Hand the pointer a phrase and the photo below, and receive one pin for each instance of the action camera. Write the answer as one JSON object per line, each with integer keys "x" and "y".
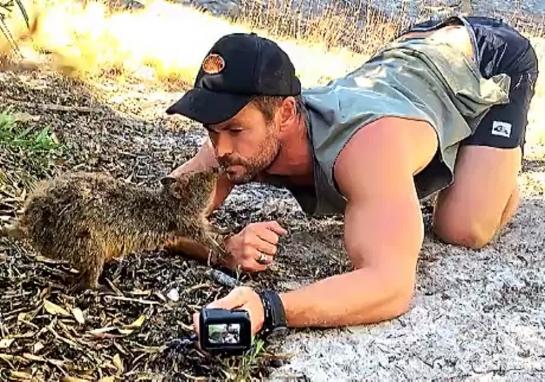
{"x": 225, "y": 331}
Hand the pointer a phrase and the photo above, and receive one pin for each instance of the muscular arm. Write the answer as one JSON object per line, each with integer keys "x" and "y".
{"x": 203, "y": 160}
{"x": 383, "y": 230}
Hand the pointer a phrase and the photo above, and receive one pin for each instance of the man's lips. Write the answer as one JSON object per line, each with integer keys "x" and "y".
{"x": 233, "y": 167}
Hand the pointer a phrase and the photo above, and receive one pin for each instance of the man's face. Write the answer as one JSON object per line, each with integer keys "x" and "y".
{"x": 245, "y": 144}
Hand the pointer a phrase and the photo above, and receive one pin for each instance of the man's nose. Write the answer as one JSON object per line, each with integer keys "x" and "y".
{"x": 223, "y": 146}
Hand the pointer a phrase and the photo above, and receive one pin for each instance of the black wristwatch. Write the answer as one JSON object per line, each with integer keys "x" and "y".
{"x": 275, "y": 324}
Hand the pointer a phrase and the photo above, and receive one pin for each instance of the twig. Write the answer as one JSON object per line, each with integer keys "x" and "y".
{"x": 192, "y": 377}
{"x": 138, "y": 300}
{"x": 14, "y": 313}
{"x": 9, "y": 357}
{"x": 195, "y": 287}
{"x": 222, "y": 278}
{"x": 60, "y": 338}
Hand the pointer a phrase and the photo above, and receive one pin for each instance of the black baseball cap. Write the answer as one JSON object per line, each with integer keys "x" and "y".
{"x": 238, "y": 67}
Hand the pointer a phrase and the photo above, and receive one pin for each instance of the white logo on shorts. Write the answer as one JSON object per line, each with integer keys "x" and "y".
{"x": 503, "y": 129}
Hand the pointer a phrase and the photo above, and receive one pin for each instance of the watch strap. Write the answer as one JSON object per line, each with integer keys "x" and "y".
{"x": 275, "y": 315}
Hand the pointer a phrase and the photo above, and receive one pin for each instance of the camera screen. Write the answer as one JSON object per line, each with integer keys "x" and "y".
{"x": 224, "y": 333}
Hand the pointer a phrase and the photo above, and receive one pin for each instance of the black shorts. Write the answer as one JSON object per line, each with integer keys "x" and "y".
{"x": 501, "y": 49}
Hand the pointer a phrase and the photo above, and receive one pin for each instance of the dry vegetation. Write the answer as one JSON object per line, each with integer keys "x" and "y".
{"x": 92, "y": 39}
{"x": 60, "y": 122}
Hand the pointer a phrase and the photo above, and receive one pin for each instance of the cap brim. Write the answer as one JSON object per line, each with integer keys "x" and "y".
{"x": 209, "y": 107}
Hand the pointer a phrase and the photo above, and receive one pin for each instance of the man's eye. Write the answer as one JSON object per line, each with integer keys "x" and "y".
{"x": 235, "y": 131}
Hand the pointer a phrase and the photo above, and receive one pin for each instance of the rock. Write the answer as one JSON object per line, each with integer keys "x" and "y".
{"x": 126, "y": 4}
{"x": 173, "y": 294}
{"x": 413, "y": 9}
{"x": 215, "y": 7}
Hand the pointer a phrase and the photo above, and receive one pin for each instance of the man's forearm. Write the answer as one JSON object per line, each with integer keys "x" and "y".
{"x": 201, "y": 161}
{"x": 358, "y": 297}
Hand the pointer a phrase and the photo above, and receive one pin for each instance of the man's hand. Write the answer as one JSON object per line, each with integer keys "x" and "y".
{"x": 254, "y": 248}
{"x": 239, "y": 298}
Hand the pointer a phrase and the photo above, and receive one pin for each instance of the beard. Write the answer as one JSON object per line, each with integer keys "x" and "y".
{"x": 247, "y": 168}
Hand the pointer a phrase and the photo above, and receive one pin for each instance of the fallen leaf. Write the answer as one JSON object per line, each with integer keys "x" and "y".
{"x": 6, "y": 342}
{"x": 118, "y": 363}
{"x": 54, "y": 138}
{"x": 35, "y": 358}
{"x": 107, "y": 379}
{"x": 54, "y": 308}
{"x": 56, "y": 362}
{"x": 37, "y": 347}
{"x": 47, "y": 260}
{"x": 102, "y": 330}
{"x": 137, "y": 323}
{"x": 21, "y": 375}
{"x": 78, "y": 315}
{"x": 73, "y": 379}
{"x": 120, "y": 348}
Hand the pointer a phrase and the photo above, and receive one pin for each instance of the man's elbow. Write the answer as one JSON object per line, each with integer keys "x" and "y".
{"x": 399, "y": 296}
{"x": 401, "y": 302}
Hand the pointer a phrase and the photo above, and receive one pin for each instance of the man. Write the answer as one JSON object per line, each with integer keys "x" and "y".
{"x": 441, "y": 111}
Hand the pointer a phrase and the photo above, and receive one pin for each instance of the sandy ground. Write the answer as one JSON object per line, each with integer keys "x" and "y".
{"x": 476, "y": 314}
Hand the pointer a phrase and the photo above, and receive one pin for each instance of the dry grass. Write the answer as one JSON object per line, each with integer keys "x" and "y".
{"x": 359, "y": 27}
{"x": 166, "y": 42}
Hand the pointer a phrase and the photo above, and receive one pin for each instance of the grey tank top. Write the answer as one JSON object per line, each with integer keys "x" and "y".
{"x": 417, "y": 78}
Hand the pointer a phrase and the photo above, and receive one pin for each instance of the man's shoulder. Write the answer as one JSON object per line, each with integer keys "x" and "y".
{"x": 386, "y": 141}
{"x": 391, "y": 133}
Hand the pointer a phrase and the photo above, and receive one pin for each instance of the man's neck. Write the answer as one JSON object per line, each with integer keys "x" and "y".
{"x": 294, "y": 158}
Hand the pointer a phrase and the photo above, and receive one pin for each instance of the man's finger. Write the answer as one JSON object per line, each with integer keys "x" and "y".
{"x": 268, "y": 235}
{"x": 253, "y": 266}
{"x": 263, "y": 258}
{"x": 275, "y": 227}
{"x": 233, "y": 300}
{"x": 266, "y": 248}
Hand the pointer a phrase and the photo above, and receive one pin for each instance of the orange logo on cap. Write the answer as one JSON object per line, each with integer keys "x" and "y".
{"x": 213, "y": 64}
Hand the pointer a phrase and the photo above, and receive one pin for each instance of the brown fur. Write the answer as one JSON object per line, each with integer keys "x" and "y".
{"x": 90, "y": 218}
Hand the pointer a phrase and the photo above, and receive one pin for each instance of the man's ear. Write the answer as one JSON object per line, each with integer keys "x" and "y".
{"x": 287, "y": 113}
{"x": 167, "y": 181}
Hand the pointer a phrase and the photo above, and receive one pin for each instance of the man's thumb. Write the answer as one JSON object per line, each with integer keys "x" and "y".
{"x": 234, "y": 299}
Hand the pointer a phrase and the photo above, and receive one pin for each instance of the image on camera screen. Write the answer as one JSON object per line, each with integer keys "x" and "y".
{"x": 224, "y": 333}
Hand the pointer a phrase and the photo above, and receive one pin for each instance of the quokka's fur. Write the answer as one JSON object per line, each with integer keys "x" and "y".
{"x": 89, "y": 219}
